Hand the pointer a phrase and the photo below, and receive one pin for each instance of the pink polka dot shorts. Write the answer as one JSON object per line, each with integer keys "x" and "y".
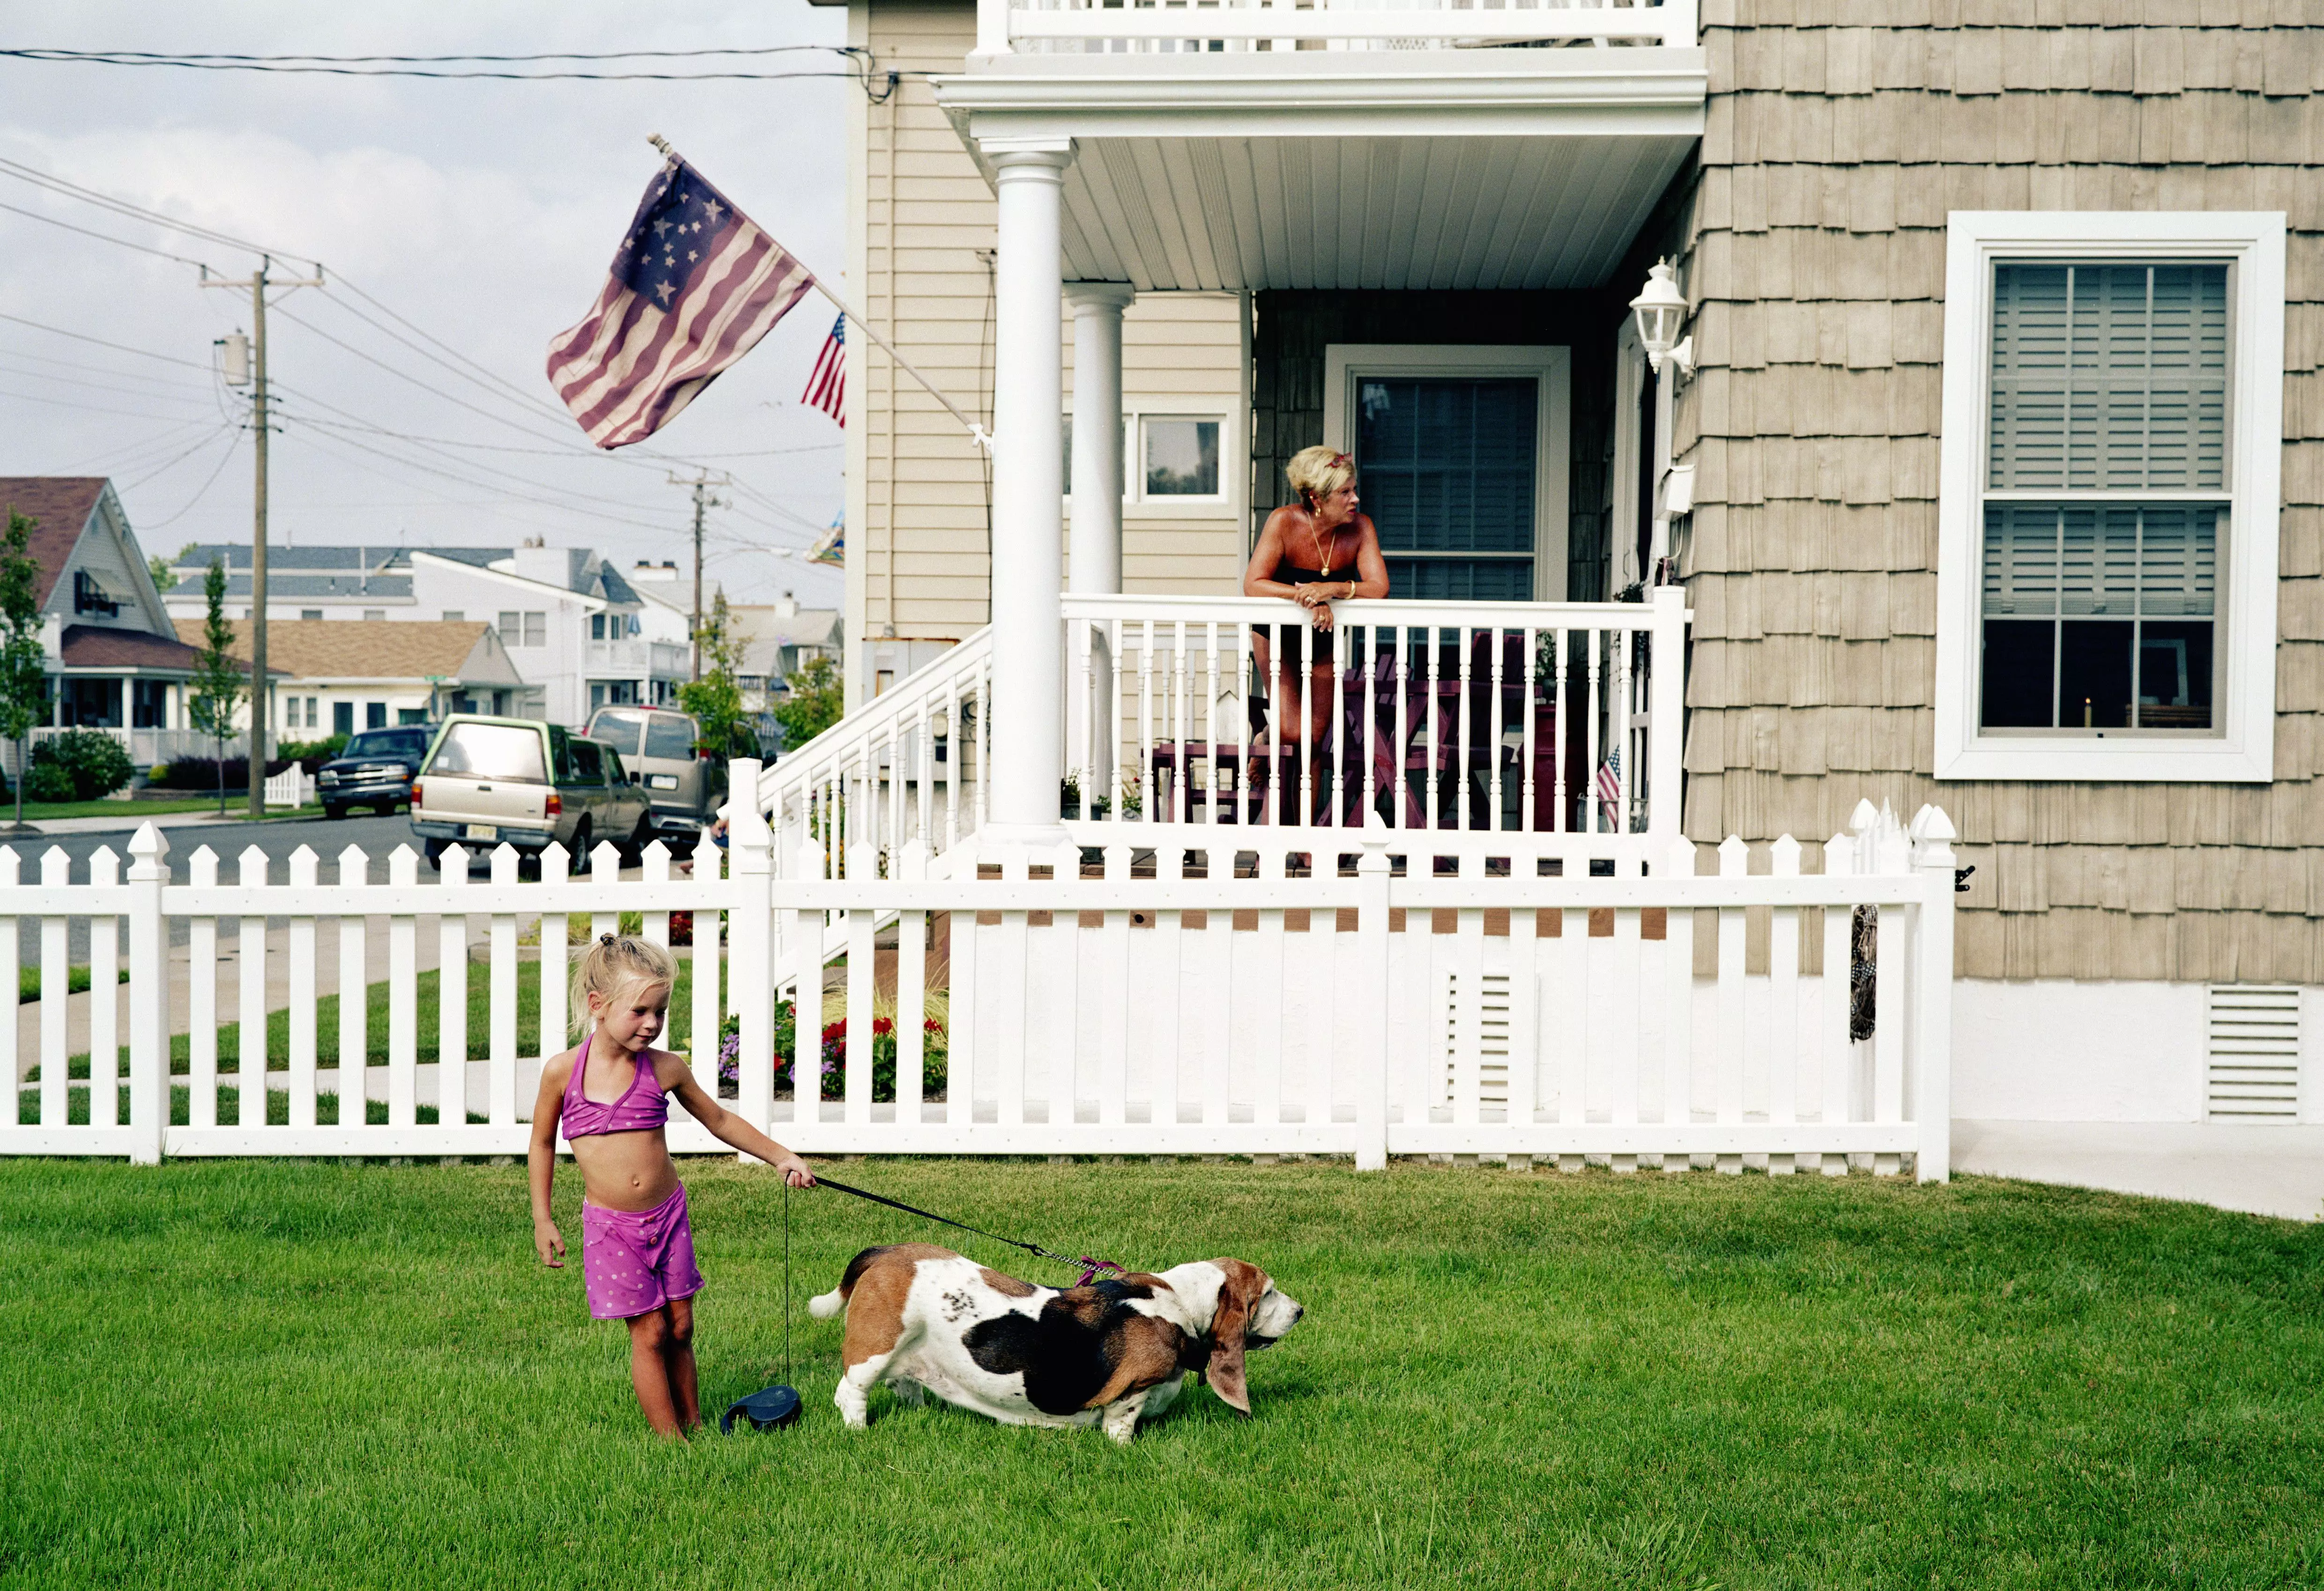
{"x": 634, "y": 1262}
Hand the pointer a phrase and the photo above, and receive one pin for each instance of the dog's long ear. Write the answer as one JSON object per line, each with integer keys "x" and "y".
{"x": 1238, "y": 1294}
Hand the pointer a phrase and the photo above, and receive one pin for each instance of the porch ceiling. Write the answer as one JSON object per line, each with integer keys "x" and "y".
{"x": 1460, "y": 170}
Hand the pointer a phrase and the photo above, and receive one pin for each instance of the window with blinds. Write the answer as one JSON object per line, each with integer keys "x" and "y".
{"x": 1446, "y": 469}
{"x": 2106, "y": 496}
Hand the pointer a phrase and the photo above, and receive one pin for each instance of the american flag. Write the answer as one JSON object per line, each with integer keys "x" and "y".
{"x": 827, "y": 389}
{"x": 1610, "y": 789}
{"x": 693, "y": 288}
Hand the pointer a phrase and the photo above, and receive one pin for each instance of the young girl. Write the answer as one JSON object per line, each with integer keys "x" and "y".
{"x": 613, "y": 1097}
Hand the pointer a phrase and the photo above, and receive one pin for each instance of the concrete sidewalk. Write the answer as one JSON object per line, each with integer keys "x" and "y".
{"x": 2275, "y": 1170}
{"x": 131, "y": 820}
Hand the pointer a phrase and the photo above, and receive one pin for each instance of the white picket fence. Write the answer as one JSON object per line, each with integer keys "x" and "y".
{"x": 1330, "y": 993}
{"x": 293, "y": 786}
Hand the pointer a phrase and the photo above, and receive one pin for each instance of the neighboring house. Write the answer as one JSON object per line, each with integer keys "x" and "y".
{"x": 337, "y": 677}
{"x": 113, "y": 661}
{"x": 778, "y": 638}
{"x": 1997, "y": 481}
{"x": 575, "y": 629}
{"x": 666, "y": 593}
{"x": 301, "y": 582}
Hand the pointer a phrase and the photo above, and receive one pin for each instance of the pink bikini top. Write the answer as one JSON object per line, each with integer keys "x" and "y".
{"x": 642, "y": 1105}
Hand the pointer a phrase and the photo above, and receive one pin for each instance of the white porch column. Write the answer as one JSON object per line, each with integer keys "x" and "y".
{"x": 1095, "y": 565}
{"x": 1029, "y": 491}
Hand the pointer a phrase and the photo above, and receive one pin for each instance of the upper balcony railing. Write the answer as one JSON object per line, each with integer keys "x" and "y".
{"x": 1164, "y": 27}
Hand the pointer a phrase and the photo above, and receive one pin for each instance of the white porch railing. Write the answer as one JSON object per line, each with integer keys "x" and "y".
{"x": 1529, "y": 718}
{"x": 1313, "y": 992}
{"x": 906, "y": 765}
{"x": 147, "y": 748}
{"x": 656, "y": 659}
{"x": 1175, "y": 26}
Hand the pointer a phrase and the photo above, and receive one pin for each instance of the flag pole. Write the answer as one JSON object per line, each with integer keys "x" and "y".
{"x": 983, "y": 437}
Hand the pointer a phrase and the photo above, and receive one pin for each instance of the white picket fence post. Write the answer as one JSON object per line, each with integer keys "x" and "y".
{"x": 1372, "y": 943}
{"x": 149, "y": 998}
{"x": 1932, "y": 993}
{"x": 749, "y": 854}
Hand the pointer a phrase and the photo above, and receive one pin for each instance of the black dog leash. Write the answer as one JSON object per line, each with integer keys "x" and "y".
{"x": 1092, "y": 1267}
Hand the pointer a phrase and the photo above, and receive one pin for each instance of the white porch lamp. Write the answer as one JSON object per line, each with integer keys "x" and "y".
{"x": 1661, "y": 310}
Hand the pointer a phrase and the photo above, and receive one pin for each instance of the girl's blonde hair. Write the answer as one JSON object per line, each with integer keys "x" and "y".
{"x": 611, "y": 966}
{"x": 1315, "y": 473}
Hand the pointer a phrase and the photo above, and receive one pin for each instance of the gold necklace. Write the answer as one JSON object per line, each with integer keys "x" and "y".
{"x": 1323, "y": 550}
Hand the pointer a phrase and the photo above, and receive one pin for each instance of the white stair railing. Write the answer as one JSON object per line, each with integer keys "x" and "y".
{"x": 906, "y": 765}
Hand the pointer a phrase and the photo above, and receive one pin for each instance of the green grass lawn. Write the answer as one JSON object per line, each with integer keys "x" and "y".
{"x": 283, "y": 1373}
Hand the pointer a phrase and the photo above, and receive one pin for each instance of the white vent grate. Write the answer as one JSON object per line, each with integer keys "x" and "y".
{"x": 2252, "y": 1071}
{"x": 1492, "y": 1039}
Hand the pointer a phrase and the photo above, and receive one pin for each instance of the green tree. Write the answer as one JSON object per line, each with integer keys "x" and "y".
{"x": 817, "y": 701}
{"x": 715, "y": 700}
{"x": 23, "y": 672}
{"x": 218, "y": 676}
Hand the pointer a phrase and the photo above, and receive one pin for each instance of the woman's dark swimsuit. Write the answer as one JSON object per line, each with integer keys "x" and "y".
{"x": 1291, "y": 639}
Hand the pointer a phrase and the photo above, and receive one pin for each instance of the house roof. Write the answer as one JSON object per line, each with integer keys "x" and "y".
{"x": 345, "y": 648}
{"x": 315, "y": 560}
{"x": 60, "y": 507}
{"x": 763, "y": 624}
{"x": 349, "y": 587}
{"x": 99, "y": 646}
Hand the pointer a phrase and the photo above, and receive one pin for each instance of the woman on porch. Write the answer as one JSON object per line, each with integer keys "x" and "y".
{"x": 1314, "y": 552}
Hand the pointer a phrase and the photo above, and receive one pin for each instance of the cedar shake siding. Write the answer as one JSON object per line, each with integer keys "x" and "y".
{"x": 1838, "y": 137}
{"x": 1294, "y": 328}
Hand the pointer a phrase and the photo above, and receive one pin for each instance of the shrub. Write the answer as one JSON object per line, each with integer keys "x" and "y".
{"x": 201, "y": 773}
{"x": 91, "y": 760}
{"x": 310, "y": 755}
{"x": 48, "y": 781}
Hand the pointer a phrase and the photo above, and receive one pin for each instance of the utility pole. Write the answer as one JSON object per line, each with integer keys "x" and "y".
{"x": 702, "y": 482}
{"x": 261, "y": 701}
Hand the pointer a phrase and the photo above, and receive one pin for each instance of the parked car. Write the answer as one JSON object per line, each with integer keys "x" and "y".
{"x": 488, "y": 780}
{"x": 685, "y": 787}
{"x": 374, "y": 770}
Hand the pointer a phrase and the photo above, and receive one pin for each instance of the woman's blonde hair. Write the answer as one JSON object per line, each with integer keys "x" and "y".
{"x": 1315, "y": 473}
{"x": 611, "y": 966}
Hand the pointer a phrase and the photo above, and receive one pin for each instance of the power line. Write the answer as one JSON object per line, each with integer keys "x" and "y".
{"x": 161, "y": 469}
{"x": 120, "y": 207}
{"x": 200, "y": 492}
{"x": 100, "y": 342}
{"x": 102, "y": 237}
{"x": 43, "y": 397}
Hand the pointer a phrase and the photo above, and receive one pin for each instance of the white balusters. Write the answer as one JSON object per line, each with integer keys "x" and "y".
{"x": 1734, "y": 862}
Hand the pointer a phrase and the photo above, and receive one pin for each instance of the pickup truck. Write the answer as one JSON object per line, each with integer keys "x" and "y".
{"x": 488, "y": 780}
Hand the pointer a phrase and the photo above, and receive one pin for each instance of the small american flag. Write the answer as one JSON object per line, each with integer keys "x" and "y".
{"x": 1610, "y": 789}
{"x": 693, "y": 288}
{"x": 827, "y": 389}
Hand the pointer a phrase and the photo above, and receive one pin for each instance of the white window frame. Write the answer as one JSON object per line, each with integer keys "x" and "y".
{"x": 1233, "y": 458}
{"x": 1345, "y": 364}
{"x": 2243, "y": 689}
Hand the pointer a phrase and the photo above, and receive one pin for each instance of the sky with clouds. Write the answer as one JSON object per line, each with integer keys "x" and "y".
{"x": 482, "y": 212}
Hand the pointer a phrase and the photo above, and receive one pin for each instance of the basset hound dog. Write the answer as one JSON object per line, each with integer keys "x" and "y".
{"x": 1110, "y": 1353}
